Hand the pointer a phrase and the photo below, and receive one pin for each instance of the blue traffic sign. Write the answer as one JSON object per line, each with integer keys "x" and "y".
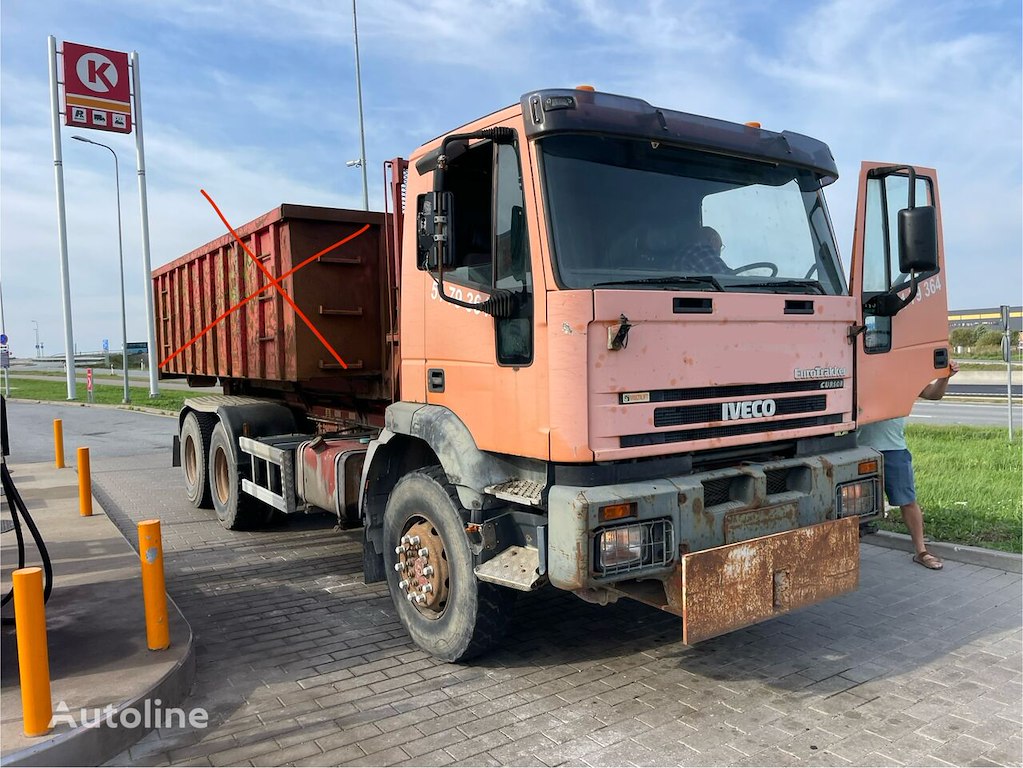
{"x": 106, "y": 345}
{"x": 3, "y": 338}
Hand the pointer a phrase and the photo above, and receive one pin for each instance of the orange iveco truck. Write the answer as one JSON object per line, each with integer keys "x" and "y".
{"x": 590, "y": 343}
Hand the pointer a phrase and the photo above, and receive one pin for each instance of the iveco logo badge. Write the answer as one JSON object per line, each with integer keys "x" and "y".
{"x": 747, "y": 409}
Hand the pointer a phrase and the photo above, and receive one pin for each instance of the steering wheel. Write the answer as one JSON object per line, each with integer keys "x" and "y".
{"x": 758, "y": 265}
{"x": 810, "y": 271}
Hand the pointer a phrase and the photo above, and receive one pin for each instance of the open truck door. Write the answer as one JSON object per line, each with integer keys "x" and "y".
{"x": 898, "y": 275}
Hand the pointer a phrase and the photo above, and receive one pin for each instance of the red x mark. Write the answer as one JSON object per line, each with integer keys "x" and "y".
{"x": 274, "y": 283}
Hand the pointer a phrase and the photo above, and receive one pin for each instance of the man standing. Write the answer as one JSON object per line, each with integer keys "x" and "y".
{"x": 889, "y": 437}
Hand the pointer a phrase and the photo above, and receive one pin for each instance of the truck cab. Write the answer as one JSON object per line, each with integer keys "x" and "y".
{"x": 617, "y": 406}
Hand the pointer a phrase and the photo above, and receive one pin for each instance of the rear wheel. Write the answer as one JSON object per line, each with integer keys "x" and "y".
{"x": 446, "y": 611}
{"x": 196, "y": 432}
{"x": 235, "y": 509}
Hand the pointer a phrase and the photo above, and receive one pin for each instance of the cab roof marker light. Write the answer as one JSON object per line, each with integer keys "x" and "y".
{"x": 558, "y": 102}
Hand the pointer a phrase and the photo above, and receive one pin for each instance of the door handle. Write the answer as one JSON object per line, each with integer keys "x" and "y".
{"x": 435, "y": 380}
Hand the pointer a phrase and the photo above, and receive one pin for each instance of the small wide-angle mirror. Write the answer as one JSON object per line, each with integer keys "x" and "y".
{"x": 434, "y": 226}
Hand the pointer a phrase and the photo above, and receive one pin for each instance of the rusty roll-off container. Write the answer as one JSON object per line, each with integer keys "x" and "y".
{"x": 264, "y": 345}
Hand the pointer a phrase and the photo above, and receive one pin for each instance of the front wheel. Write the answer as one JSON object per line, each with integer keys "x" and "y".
{"x": 446, "y": 611}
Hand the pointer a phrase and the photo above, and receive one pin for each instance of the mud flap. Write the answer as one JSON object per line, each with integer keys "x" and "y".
{"x": 734, "y": 586}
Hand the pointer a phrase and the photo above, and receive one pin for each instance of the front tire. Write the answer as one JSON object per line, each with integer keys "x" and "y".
{"x": 236, "y": 510}
{"x": 196, "y": 432}
{"x": 443, "y": 607}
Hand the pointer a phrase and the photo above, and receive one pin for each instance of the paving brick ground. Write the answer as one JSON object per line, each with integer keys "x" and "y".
{"x": 300, "y": 663}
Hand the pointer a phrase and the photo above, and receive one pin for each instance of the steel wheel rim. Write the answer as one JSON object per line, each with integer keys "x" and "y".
{"x": 190, "y": 460}
{"x": 422, "y": 567}
{"x": 221, "y": 476}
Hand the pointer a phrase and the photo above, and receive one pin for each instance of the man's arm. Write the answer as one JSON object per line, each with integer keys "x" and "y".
{"x": 936, "y": 389}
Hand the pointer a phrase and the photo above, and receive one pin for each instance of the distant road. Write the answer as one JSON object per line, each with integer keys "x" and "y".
{"x": 982, "y": 390}
{"x": 973, "y": 414}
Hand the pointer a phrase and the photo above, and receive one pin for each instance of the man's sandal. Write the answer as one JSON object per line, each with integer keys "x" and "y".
{"x": 927, "y": 560}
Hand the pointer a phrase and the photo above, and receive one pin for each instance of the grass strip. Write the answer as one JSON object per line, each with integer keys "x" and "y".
{"x": 169, "y": 400}
{"x": 969, "y": 482}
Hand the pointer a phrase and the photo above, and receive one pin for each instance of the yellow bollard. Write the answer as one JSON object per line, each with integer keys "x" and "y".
{"x": 33, "y": 658}
{"x": 58, "y": 442}
{"x": 154, "y": 591}
{"x": 84, "y": 484}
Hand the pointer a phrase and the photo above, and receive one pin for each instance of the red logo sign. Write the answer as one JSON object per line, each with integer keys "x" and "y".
{"x": 97, "y": 88}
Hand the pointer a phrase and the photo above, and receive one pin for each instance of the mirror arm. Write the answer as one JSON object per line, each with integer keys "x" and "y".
{"x": 888, "y": 170}
{"x": 501, "y": 300}
{"x": 889, "y": 304}
{"x": 912, "y": 283}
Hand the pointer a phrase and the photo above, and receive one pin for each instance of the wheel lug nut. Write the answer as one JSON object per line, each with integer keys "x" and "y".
{"x": 399, "y": 549}
{"x": 404, "y": 539}
{"x": 424, "y": 552}
{"x": 428, "y": 570}
{"x": 399, "y": 567}
{"x": 427, "y": 588}
{"x": 403, "y": 584}
{"x": 411, "y": 597}
{"x": 414, "y": 541}
{"x": 420, "y": 599}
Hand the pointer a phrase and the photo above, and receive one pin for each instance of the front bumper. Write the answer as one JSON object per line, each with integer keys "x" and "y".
{"x": 698, "y": 512}
{"x": 727, "y": 588}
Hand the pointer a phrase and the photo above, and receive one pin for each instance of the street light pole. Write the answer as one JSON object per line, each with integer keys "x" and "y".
{"x": 36, "y": 324}
{"x": 362, "y": 130}
{"x": 120, "y": 256}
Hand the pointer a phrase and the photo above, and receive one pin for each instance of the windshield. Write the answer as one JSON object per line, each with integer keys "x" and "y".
{"x": 653, "y": 216}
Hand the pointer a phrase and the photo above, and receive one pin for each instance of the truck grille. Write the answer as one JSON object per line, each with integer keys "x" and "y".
{"x": 727, "y": 430}
{"x": 700, "y": 414}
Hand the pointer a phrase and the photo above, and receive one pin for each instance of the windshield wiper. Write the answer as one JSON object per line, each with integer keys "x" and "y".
{"x": 673, "y": 280}
{"x": 787, "y": 284}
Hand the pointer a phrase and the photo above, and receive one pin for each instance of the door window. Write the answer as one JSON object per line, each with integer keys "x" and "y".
{"x": 885, "y": 198}
{"x": 511, "y": 267}
{"x": 490, "y": 247}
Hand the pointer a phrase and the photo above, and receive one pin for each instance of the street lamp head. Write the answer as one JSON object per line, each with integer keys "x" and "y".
{"x": 98, "y": 144}
{"x": 357, "y": 163}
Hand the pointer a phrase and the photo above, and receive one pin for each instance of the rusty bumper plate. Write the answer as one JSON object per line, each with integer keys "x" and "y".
{"x": 733, "y": 586}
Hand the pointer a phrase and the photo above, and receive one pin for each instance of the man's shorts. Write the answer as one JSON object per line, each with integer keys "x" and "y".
{"x": 898, "y": 477}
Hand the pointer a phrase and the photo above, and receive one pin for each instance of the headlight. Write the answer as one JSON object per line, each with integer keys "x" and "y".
{"x": 861, "y": 498}
{"x": 620, "y": 547}
{"x": 630, "y": 547}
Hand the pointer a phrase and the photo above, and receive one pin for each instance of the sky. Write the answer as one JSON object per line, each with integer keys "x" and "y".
{"x": 255, "y": 102}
